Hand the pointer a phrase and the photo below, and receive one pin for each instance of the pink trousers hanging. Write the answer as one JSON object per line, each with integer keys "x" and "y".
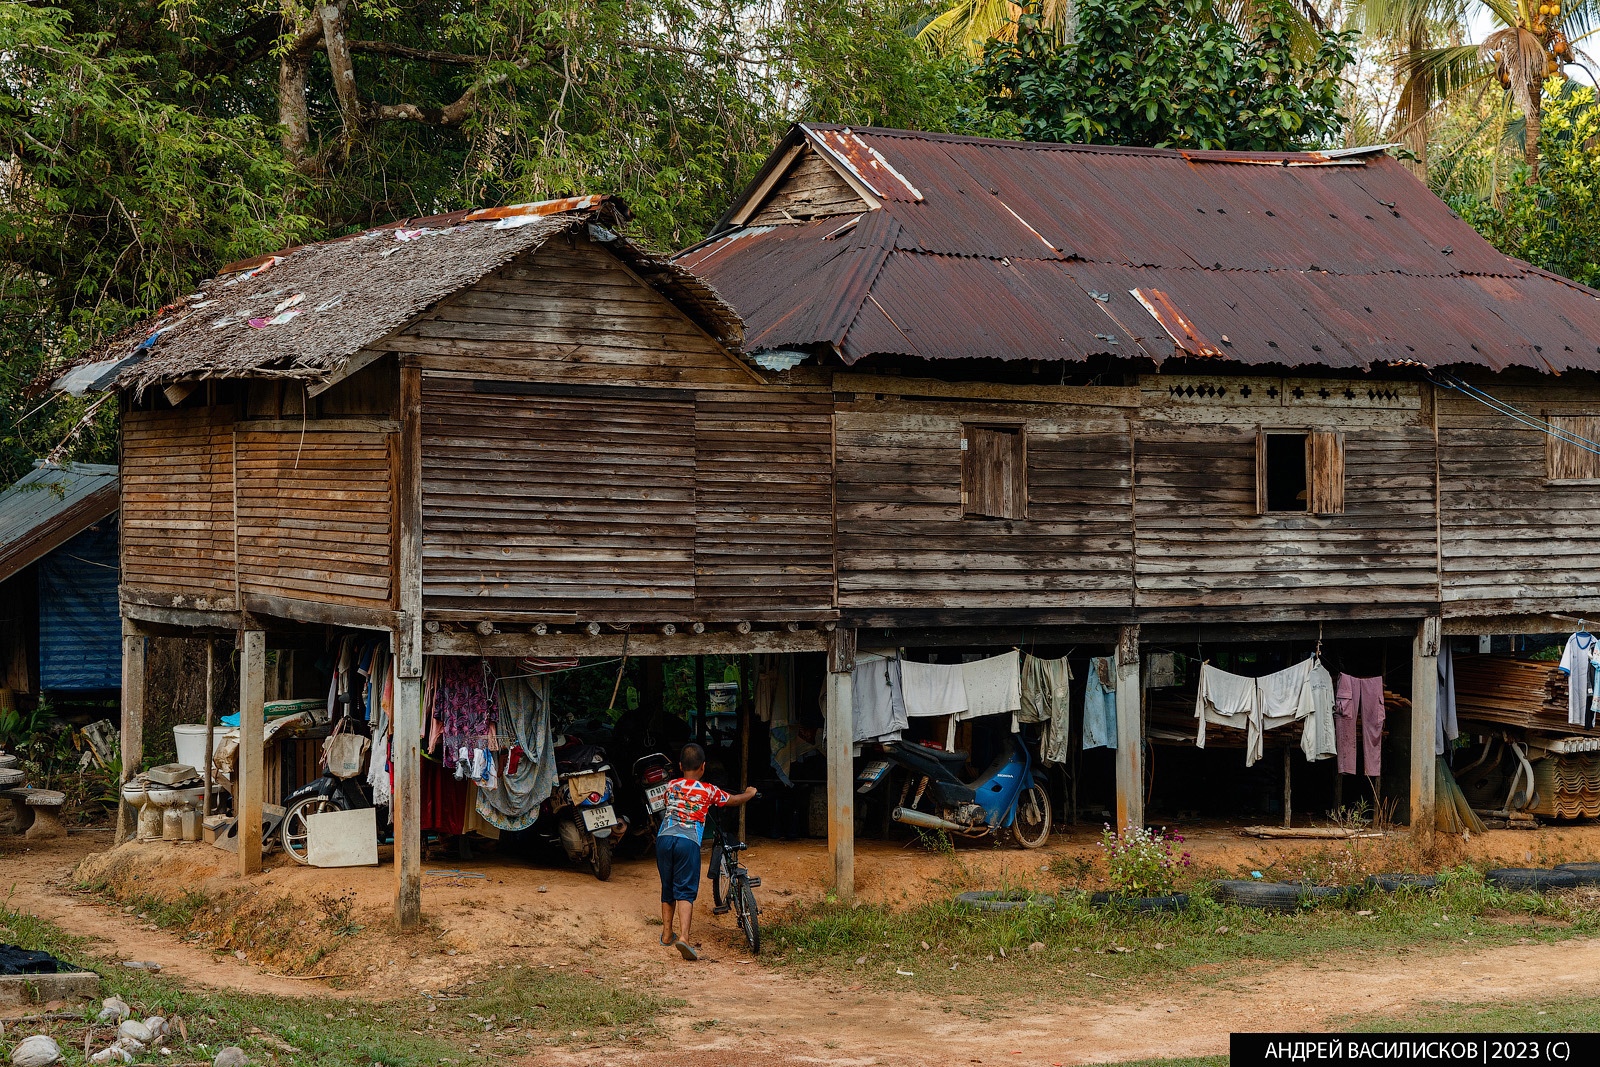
{"x": 1359, "y": 702}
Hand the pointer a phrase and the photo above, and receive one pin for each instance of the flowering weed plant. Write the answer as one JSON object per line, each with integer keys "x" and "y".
{"x": 1141, "y": 862}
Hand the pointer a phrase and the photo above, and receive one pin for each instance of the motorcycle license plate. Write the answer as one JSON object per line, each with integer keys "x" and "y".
{"x": 873, "y": 771}
{"x": 656, "y": 798}
{"x": 599, "y": 818}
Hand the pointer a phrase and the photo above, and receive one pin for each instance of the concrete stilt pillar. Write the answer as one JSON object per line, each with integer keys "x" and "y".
{"x": 132, "y": 722}
{"x": 840, "y": 716}
{"x": 251, "y": 772}
{"x": 1424, "y": 713}
{"x": 1130, "y": 732}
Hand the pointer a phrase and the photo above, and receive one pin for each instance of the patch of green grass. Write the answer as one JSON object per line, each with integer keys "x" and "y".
{"x": 1579, "y": 1015}
{"x": 1074, "y": 948}
{"x": 481, "y": 1020}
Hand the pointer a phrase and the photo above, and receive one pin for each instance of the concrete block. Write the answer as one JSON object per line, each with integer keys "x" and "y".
{"x": 21, "y": 990}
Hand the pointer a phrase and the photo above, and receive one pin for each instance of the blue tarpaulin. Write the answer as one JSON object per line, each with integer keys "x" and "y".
{"x": 79, "y": 629}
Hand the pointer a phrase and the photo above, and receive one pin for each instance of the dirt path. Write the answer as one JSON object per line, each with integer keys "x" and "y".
{"x": 489, "y": 912}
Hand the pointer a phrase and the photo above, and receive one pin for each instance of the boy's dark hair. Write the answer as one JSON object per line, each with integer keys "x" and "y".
{"x": 692, "y": 758}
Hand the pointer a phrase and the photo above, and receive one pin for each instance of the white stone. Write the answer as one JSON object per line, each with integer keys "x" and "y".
{"x": 134, "y": 1029}
{"x": 113, "y": 1010}
{"x": 232, "y": 1056}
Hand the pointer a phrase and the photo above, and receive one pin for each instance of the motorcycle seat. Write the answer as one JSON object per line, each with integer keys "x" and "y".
{"x": 952, "y": 762}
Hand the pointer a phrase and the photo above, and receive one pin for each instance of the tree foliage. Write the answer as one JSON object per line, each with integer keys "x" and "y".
{"x": 1555, "y": 222}
{"x": 1171, "y": 74}
{"x": 144, "y": 144}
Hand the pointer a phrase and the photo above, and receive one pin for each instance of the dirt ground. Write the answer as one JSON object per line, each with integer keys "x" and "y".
{"x": 492, "y": 912}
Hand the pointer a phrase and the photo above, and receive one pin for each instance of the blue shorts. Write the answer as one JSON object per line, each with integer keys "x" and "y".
{"x": 678, "y": 860}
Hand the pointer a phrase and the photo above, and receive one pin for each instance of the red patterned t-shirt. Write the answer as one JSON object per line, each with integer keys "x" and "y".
{"x": 687, "y": 805}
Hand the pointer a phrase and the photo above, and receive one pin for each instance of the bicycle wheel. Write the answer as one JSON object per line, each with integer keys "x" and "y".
{"x": 718, "y": 876}
{"x": 293, "y": 832}
{"x": 749, "y": 921}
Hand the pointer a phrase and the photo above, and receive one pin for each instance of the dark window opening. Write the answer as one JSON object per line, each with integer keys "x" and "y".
{"x": 1286, "y": 472}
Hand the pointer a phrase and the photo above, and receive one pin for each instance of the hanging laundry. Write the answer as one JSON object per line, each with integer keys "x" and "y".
{"x": 529, "y": 776}
{"x": 380, "y": 686}
{"x": 1225, "y": 699}
{"x": 993, "y": 685}
{"x": 464, "y": 715}
{"x": 1047, "y": 698}
{"x": 1280, "y": 697}
{"x": 878, "y": 708}
{"x": 777, "y": 706}
{"x": 1319, "y": 739}
{"x": 1578, "y": 664}
{"x": 1358, "y": 715}
{"x": 1100, "y": 704}
{"x": 444, "y": 800}
{"x": 933, "y": 688}
{"x": 1447, "y": 728}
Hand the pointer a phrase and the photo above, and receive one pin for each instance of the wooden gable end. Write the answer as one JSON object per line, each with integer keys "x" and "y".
{"x": 809, "y": 188}
{"x": 570, "y": 312}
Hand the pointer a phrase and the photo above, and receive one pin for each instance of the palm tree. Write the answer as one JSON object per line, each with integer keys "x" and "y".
{"x": 1534, "y": 39}
{"x": 969, "y": 25}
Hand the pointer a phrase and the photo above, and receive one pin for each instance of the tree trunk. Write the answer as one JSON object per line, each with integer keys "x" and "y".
{"x": 1530, "y": 144}
{"x": 293, "y": 114}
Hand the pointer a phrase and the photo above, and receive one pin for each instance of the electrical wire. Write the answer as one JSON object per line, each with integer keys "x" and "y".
{"x": 1467, "y": 389}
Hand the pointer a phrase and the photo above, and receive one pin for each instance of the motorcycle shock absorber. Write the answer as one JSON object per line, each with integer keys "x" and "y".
{"x": 922, "y": 787}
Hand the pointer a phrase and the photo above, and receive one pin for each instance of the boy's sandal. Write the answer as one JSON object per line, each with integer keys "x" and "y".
{"x": 669, "y": 940}
{"x": 686, "y": 950}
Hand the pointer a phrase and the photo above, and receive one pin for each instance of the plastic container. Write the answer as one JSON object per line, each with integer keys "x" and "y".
{"x": 190, "y": 740}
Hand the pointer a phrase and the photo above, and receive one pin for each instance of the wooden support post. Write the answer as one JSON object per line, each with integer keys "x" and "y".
{"x": 1424, "y": 713}
{"x": 211, "y": 724}
{"x": 251, "y": 773}
{"x": 747, "y": 696}
{"x": 1288, "y": 788}
{"x": 406, "y": 808}
{"x": 132, "y": 740}
{"x": 840, "y": 727}
{"x": 1130, "y": 732}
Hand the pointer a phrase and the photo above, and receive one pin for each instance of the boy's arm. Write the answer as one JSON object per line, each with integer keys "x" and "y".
{"x": 739, "y": 800}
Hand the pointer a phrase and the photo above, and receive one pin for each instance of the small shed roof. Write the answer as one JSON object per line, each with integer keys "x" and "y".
{"x": 48, "y": 507}
{"x": 303, "y": 312}
{"x": 1001, "y": 249}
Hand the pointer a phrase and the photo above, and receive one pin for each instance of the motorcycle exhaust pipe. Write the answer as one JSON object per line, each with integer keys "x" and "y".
{"x": 913, "y": 817}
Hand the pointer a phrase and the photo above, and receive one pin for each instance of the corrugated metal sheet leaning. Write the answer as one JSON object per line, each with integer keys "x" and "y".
{"x": 50, "y": 505}
{"x": 303, "y": 312}
{"x": 979, "y": 248}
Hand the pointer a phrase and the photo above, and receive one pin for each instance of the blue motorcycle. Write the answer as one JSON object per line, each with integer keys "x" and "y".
{"x": 1004, "y": 801}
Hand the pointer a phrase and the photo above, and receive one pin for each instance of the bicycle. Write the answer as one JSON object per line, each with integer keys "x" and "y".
{"x": 732, "y": 885}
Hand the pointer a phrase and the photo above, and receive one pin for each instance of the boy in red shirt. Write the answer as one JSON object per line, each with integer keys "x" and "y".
{"x": 683, "y": 824}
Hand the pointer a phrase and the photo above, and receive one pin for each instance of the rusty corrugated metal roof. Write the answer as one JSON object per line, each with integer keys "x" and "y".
{"x": 1001, "y": 249}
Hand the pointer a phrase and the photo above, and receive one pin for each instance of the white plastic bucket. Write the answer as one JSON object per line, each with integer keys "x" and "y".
{"x": 190, "y": 741}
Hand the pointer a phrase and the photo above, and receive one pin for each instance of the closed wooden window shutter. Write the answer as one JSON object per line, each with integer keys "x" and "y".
{"x": 1568, "y": 461}
{"x": 1325, "y": 476}
{"x": 1261, "y": 472}
{"x": 995, "y": 473}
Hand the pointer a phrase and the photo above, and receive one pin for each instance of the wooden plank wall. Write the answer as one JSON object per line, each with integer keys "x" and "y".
{"x": 316, "y": 515}
{"x": 763, "y": 503}
{"x": 1511, "y": 540}
{"x": 177, "y": 504}
{"x": 1202, "y": 549}
{"x": 905, "y": 546}
{"x": 540, "y": 501}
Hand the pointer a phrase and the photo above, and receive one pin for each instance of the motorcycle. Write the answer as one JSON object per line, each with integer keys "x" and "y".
{"x": 582, "y": 814}
{"x": 652, "y": 773}
{"x": 326, "y": 793}
{"x": 1004, "y": 801}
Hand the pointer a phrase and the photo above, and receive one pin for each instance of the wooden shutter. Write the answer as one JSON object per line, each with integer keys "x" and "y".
{"x": 995, "y": 473}
{"x": 1325, "y": 473}
{"x": 1261, "y": 472}
{"x": 1567, "y": 461}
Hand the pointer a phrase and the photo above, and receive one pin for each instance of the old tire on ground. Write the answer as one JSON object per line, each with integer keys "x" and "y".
{"x": 1272, "y": 896}
{"x": 1173, "y": 902}
{"x": 1003, "y": 900}
{"x": 1394, "y": 883}
{"x": 1588, "y": 873}
{"x": 1536, "y": 879}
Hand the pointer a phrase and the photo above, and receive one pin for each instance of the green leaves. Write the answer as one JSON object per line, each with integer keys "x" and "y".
{"x": 1172, "y": 74}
